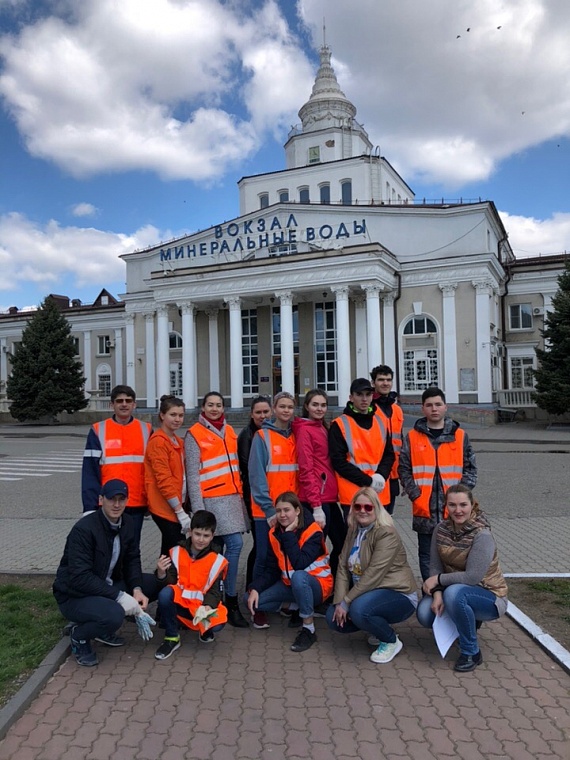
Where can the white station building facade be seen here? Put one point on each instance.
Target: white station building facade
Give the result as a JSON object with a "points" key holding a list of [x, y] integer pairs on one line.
{"points": [[331, 268]]}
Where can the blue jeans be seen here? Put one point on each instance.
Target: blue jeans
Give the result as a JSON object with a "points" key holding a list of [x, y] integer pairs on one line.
{"points": [[169, 612], [305, 589], [137, 516], [100, 616], [261, 546], [373, 612], [232, 544], [464, 605]]}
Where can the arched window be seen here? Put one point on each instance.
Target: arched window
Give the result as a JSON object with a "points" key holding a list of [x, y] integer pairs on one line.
{"points": [[346, 192], [304, 195], [283, 196], [420, 353], [175, 341], [325, 191], [264, 200], [104, 379]]}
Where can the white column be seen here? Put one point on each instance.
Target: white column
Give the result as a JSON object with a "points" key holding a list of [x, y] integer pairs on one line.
{"points": [[450, 372], [389, 331], [162, 351], [483, 294], [150, 360], [361, 348], [342, 342], [287, 351], [236, 362], [373, 325], [130, 348], [188, 355], [87, 371], [118, 356], [214, 349], [3, 364]]}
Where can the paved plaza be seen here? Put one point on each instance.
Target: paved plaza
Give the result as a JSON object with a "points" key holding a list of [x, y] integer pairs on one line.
{"points": [[248, 696]]}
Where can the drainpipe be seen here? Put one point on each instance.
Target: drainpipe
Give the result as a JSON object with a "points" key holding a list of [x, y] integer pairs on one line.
{"points": [[396, 299], [503, 310]]}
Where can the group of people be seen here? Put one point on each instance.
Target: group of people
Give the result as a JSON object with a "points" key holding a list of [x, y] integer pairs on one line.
{"points": [[302, 487]]}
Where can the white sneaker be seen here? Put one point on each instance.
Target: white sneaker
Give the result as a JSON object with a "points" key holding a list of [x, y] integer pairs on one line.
{"points": [[373, 641], [386, 652]]}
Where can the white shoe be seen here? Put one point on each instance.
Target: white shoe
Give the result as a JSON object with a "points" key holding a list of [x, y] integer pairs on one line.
{"points": [[373, 641], [386, 652]]}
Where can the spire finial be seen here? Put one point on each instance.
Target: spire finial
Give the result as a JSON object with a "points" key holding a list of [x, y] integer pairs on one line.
{"points": [[324, 33]]}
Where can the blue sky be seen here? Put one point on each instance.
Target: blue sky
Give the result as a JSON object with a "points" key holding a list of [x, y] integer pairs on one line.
{"points": [[124, 124]]}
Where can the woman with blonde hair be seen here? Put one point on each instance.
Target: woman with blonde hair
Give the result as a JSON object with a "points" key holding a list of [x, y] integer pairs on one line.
{"points": [[374, 585]]}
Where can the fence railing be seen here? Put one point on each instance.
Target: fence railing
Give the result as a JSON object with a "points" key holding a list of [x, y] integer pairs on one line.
{"points": [[515, 399]]}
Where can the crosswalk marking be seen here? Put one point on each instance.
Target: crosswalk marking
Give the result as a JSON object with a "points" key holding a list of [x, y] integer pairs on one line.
{"points": [[53, 463]]}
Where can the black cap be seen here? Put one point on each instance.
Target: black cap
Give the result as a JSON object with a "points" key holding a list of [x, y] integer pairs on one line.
{"points": [[360, 385], [114, 488]]}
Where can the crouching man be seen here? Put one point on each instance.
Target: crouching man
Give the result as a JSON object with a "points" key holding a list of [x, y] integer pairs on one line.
{"points": [[99, 579]]}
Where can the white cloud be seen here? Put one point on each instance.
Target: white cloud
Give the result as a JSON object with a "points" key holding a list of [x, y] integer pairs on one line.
{"points": [[531, 237], [84, 209], [141, 84], [45, 254]]}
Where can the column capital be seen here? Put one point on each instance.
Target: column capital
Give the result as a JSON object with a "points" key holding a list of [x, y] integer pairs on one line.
{"points": [[118, 332], [372, 290], [341, 292], [149, 315], [358, 300], [186, 307], [389, 297], [234, 302], [162, 310], [483, 286], [130, 318], [448, 289], [285, 297], [212, 313]]}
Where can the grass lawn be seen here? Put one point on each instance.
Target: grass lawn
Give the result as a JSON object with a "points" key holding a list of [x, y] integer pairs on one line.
{"points": [[31, 625], [547, 602]]}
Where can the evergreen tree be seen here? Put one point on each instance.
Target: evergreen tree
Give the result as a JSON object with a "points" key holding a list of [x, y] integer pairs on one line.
{"points": [[553, 376], [46, 377]]}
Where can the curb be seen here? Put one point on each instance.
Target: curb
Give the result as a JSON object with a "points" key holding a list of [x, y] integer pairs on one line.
{"points": [[23, 698], [552, 648]]}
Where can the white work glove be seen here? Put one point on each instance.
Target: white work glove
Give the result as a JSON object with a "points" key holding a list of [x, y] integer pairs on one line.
{"points": [[203, 616], [129, 604], [272, 520], [144, 622], [319, 517], [378, 482], [184, 520]]}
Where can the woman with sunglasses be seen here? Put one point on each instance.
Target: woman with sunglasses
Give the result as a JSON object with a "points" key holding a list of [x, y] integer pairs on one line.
{"points": [[374, 585], [465, 576]]}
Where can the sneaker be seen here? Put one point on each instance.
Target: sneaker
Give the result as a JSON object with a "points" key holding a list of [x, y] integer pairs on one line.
{"points": [[82, 650], [286, 612], [111, 640], [305, 640], [467, 662], [260, 620], [295, 620], [167, 647], [207, 637], [321, 610], [386, 651], [373, 641]]}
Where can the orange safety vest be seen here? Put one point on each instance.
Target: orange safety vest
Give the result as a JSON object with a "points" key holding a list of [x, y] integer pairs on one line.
{"points": [[123, 448], [365, 450], [282, 468], [319, 569], [394, 425], [425, 459], [219, 465], [195, 578]]}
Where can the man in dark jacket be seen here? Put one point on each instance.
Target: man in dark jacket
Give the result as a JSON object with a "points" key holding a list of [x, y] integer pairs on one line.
{"points": [[99, 579]]}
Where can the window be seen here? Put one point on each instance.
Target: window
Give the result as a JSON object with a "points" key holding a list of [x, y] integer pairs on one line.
{"points": [[346, 192], [263, 200], [283, 196], [325, 193], [103, 345], [176, 386], [325, 347], [420, 353], [175, 341], [314, 155], [522, 372], [249, 352], [104, 379], [304, 195], [276, 331], [521, 316], [104, 300], [75, 341]]}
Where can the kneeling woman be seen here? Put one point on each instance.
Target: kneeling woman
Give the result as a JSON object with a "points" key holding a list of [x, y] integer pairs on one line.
{"points": [[297, 568], [374, 585], [465, 577]]}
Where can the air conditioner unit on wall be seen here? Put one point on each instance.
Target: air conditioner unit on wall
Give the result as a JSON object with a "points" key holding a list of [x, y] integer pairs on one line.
{"points": [[538, 311]]}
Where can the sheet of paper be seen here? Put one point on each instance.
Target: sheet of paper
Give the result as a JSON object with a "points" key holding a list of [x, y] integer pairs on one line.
{"points": [[445, 632]]}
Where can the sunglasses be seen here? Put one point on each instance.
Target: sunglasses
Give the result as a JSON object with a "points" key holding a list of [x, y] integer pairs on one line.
{"points": [[363, 507]]}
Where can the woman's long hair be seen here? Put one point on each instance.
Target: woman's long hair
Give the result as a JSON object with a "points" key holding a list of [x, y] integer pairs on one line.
{"points": [[289, 497], [381, 517], [309, 396]]}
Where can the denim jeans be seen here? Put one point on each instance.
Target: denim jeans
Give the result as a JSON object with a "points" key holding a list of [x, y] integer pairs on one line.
{"points": [[169, 612], [261, 546], [232, 544], [170, 531], [424, 549], [464, 605], [305, 589], [137, 516], [99, 615], [373, 612]]}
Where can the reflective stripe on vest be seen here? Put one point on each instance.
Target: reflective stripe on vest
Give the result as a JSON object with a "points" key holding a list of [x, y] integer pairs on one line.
{"points": [[427, 459], [363, 446], [319, 569], [194, 583], [282, 470], [122, 455], [219, 473]]}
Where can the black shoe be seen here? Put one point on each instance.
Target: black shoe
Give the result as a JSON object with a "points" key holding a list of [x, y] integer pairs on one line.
{"points": [[111, 640], [478, 624], [167, 647], [295, 620], [83, 652], [207, 637], [467, 662], [235, 618], [305, 640], [321, 610]]}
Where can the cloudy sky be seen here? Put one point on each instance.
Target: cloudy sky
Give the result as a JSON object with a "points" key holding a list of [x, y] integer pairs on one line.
{"points": [[128, 122]]}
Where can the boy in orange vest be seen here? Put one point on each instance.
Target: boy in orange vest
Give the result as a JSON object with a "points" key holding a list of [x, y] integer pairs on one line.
{"points": [[194, 572]]}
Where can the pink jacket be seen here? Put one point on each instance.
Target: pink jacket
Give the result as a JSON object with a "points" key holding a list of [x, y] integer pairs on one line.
{"points": [[317, 481]]}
